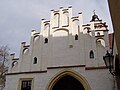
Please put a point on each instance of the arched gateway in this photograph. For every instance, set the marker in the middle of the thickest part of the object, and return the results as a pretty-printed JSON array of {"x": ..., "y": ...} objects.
[{"x": 68, "y": 80}]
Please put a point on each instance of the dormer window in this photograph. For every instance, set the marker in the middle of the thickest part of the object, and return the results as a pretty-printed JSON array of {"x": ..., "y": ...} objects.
[
  {"x": 46, "y": 40},
  {"x": 35, "y": 60},
  {"x": 91, "y": 54},
  {"x": 76, "y": 37}
]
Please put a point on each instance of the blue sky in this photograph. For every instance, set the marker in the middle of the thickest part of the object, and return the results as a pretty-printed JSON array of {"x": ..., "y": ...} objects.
[{"x": 19, "y": 17}]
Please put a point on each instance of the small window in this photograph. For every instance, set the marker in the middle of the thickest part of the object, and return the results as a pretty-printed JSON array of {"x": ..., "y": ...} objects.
[
  {"x": 26, "y": 84},
  {"x": 98, "y": 33},
  {"x": 91, "y": 54},
  {"x": 46, "y": 40},
  {"x": 76, "y": 37},
  {"x": 35, "y": 60},
  {"x": 88, "y": 31}
]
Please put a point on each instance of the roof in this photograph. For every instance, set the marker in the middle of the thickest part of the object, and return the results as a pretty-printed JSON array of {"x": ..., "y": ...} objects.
[{"x": 110, "y": 36}]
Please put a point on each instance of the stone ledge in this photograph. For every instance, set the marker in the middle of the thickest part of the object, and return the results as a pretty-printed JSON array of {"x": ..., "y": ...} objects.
[
  {"x": 93, "y": 68},
  {"x": 54, "y": 67},
  {"x": 26, "y": 72}
]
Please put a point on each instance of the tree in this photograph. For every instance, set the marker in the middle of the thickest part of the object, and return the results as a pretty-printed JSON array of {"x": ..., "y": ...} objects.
[{"x": 4, "y": 61}]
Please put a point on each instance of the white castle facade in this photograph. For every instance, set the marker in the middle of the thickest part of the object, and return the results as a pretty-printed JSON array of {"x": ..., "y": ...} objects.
[{"x": 65, "y": 55}]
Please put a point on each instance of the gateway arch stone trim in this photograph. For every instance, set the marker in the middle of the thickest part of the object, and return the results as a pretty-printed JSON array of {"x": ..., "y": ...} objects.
[{"x": 69, "y": 72}]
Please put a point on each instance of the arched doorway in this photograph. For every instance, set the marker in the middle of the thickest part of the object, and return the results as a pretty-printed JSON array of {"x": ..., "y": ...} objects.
[
  {"x": 68, "y": 79},
  {"x": 68, "y": 83}
]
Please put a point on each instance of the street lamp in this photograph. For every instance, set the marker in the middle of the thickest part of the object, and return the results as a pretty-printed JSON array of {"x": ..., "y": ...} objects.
[{"x": 109, "y": 61}]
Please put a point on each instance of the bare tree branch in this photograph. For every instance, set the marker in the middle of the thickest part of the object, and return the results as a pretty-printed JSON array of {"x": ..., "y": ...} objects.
[{"x": 4, "y": 60}]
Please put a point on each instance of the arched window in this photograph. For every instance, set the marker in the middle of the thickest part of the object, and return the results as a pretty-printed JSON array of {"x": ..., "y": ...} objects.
[
  {"x": 46, "y": 40},
  {"x": 91, "y": 54},
  {"x": 76, "y": 37},
  {"x": 35, "y": 60},
  {"x": 98, "y": 33},
  {"x": 101, "y": 41}
]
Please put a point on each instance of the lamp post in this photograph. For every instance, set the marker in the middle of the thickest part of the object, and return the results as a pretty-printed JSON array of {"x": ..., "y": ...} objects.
[{"x": 109, "y": 62}]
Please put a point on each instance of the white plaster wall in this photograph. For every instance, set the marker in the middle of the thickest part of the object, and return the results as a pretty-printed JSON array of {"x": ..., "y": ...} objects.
[
  {"x": 36, "y": 50},
  {"x": 11, "y": 83},
  {"x": 25, "y": 61},
  {"x": 100, "y": 53},
  {"x": 57, "y": 52},
  {"x": 65, "y": 19},
  {"x": 97, "y": 79},
  {"x": 88, "y": 47},
  {"x": 15, "y": 67},
  {"x": 45, "y": 56},
  {"x": 100, "y": 79},
  {"x": 62, "y": 50}
]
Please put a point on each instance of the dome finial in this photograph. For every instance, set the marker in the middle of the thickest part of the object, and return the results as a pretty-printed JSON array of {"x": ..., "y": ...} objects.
[{"x": 94, "y": 17}]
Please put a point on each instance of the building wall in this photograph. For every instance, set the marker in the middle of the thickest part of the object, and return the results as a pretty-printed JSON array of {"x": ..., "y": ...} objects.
[
  {"x": 61, "y": 48},
  {"x": 99, "y": 79},
  {"x": 63, "y": 42}
]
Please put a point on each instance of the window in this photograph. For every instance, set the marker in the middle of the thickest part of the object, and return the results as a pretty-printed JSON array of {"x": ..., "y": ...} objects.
[
  {"x": 46, "y": 40},
  {"x": 91, "y": 54},
  {"x": 98, "y": 33},
  {"x": 76, "y": 37},
  {"x": 35, "y": 60},
  {"x": 26, "y": 84}
]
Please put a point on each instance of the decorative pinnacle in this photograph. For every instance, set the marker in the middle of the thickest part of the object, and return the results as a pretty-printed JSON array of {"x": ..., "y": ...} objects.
[
  {"x": 70, "y": 7},
  {"x": 61, "y": 7},
  {"x": 80, "y": 13},
  {"x": 52, "y": 10},
  {"x": 43, "y": 19},
  {"x": 23, "y": 42},
  {"x": 12, "y": 54},
  {"x": 94, "y": 12}
]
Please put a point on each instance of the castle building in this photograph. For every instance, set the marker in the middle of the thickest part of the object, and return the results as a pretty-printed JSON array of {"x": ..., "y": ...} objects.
[{"x": 65, "y": 55}]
